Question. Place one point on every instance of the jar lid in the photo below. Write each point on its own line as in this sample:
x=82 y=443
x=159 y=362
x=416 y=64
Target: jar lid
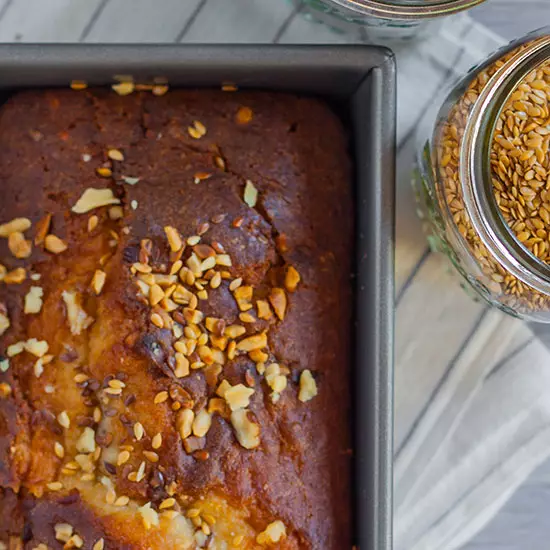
x=407 y=9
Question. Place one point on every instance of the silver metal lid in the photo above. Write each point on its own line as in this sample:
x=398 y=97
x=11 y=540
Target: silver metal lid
x=407 y=9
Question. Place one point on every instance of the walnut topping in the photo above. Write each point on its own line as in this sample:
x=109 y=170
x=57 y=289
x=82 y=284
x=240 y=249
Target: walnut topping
x=4 y=365
x=77 y=317
x=54 y=244
x=237 y=397
x=275 y=380
x=149 y=516
x=94 y=198
x=16 y=225
x=277 y=298
x=198 y=130
x=264 y=311
x=98 y=281
x=292 y=278
x=174 y=238
x=123 y=88
x=38 y=348
x=86 y=441
x=15 y=277
x=201 y=423
x=79 y=85
x=182 y=365
x=42 y=229
x=244 y=115
x=4 y=320
x=5 y=390
x=308 y=386
x=63 y=531
x=19 y=246
x=258 y=341
x=250 y=194
x=247 y=432
x=274 y=532
x=33 y=300
x=184 y=422
x=99 y=545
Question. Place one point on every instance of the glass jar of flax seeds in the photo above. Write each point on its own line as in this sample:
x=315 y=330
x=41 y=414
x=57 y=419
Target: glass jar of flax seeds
x=385 y=20
x=483 y=178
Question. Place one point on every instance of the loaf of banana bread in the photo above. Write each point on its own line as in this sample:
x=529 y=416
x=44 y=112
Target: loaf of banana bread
x=175 y=320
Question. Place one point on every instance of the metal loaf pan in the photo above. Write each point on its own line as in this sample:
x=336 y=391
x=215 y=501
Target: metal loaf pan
x=359 y=82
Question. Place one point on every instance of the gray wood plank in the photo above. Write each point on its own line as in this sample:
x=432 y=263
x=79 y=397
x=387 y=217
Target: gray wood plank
x=513 y=18
x=142 y=20
x=238 y=21
x=46 y=21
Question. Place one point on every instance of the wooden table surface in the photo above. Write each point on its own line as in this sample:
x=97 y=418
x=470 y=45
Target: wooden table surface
x=524 y=522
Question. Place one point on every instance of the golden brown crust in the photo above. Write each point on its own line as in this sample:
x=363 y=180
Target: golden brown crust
x=111 y=366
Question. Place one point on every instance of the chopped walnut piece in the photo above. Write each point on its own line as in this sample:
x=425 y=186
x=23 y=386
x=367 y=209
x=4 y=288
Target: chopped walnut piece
x=94 y=198
x=292 y=278
x=250 y=194
x=149 y=516
x=16 y=225
x=258 y=341
x=182 y=365
x=99 y=545
x=264 y=311
x=33 y=300
x=247 y=432
x=15 y=277
x=274 y=532
x=184 y=422
x=198 y=130
x=5 y=390
x=238 y=397
x=38 y=348
x=77 y=317
x=201 y=423
x=4 y=365
x=86 y=441
x=54 y=244
x=63 y=531
x=4 y=320
x=42 y=229
x=19 y=246
x=79 y=84
x=174 y=238
x=234 y=331
x=277 y=299
x=123 y=88
x=275 y=380
x=244 y=115
x=308 y=386
x=98 y=281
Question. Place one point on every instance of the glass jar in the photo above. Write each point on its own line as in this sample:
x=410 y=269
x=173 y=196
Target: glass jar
x=483 y=178
x=385 y=19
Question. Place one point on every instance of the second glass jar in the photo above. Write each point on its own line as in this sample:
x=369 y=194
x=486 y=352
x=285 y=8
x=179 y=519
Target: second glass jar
x=484 y=178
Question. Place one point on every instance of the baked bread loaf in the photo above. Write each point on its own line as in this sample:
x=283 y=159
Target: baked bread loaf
x=175 y=321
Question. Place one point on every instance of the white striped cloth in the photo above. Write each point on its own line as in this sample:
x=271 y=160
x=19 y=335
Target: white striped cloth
x=471 y=393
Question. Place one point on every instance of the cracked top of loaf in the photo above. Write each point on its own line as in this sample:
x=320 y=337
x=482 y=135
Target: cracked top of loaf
x=175 y=321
